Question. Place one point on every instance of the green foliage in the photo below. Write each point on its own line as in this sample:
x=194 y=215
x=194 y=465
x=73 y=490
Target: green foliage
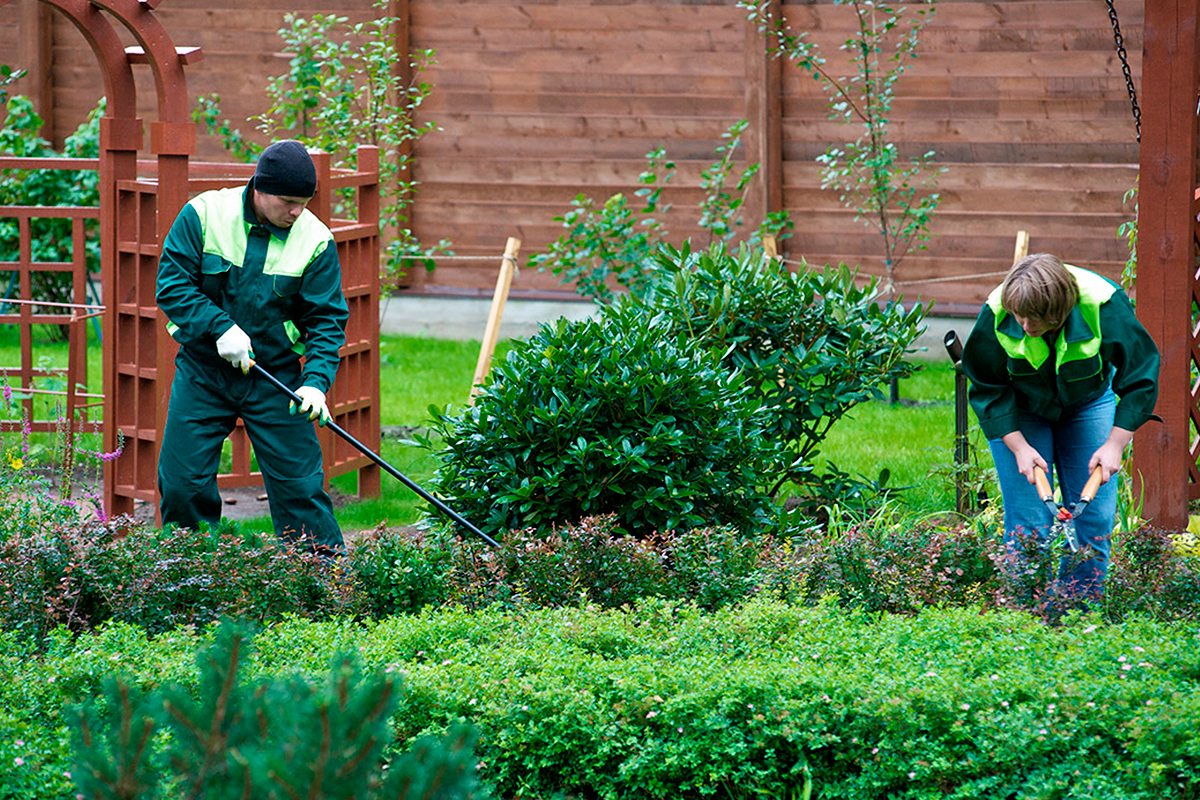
x=604 y=416
x=614 y=244
x=588 y=562
x=1150 y=575
x=9 y=76
x=341 y=91
x=712 y=567
x=282 y=737
x=810 y=344
x=83 y=575
x=1129 y=232
x=51 y=238
x=399 y=572
x=888 y=562
x=594 y=563
x=869 y=175
x=663 y=700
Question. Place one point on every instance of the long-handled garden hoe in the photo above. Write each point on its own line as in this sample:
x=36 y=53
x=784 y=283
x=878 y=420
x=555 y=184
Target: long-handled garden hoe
x=378 y=459
x=1064 y=518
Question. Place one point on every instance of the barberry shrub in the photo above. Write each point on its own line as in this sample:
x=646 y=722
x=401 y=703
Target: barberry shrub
x=398 y=571
x=810 y=344
x=615 y=415
x=83 y=575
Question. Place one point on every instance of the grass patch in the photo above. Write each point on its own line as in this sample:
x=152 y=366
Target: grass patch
x=913 y=440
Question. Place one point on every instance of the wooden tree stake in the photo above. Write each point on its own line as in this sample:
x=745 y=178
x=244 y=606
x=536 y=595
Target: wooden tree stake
x=508 y=263
x=1022 y=248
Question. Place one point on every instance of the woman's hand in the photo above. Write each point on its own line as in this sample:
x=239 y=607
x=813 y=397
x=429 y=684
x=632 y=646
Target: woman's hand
x=1108 y=457
x=1027 y=457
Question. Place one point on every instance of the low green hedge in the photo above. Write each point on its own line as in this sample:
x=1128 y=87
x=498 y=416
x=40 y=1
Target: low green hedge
x=764 y=699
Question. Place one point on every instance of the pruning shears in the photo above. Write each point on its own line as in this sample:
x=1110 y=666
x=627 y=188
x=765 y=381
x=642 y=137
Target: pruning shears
x=1064 y=518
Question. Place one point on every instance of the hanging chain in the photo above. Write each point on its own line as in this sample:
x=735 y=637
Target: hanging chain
x=1119 y=41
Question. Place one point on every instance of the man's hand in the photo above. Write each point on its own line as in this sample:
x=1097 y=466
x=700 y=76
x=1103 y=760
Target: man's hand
x=312 y=403
x=234 y=347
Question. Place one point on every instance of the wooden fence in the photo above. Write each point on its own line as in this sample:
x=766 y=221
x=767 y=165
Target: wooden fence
x=538 y=101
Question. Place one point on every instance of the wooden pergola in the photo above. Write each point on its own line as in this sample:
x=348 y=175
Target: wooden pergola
x=1168 y=287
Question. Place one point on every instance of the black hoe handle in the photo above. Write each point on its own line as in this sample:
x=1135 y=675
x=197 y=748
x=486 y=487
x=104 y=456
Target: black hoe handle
x=378 y=459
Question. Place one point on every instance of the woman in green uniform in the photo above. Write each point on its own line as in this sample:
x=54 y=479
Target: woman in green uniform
x=1062 y=374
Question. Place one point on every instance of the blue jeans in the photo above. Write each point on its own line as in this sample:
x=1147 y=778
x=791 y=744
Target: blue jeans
x=1066 y=444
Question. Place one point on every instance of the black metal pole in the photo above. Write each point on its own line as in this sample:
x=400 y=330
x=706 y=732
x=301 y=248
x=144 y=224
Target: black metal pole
x=378 y=459
x=961 y=444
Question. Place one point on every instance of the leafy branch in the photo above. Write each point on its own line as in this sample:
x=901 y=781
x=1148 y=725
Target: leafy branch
x=894 y=198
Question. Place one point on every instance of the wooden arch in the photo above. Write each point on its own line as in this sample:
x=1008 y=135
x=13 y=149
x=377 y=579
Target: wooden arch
x=136 y=351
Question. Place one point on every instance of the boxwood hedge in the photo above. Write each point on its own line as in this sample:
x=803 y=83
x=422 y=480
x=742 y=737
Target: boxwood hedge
x=761 y=700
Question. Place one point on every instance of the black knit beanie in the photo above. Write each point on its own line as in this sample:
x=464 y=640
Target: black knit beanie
x=286 y=168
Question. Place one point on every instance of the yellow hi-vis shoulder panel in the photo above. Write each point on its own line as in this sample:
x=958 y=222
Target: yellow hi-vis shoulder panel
x=225 y=232
x=1074 y=342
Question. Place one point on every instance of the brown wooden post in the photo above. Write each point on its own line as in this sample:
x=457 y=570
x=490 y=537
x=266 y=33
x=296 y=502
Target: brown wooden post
x=1164 y=466
x=322 y=201
x=764 y=111
x=369 y=474
x=37 y=57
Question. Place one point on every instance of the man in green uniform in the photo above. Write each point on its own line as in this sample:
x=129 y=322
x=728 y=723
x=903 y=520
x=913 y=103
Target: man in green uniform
x=249 y=274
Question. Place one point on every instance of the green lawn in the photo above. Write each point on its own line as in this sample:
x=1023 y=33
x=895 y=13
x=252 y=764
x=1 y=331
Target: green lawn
x=914 y=439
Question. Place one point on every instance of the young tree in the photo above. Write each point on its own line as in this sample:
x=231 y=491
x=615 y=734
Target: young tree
x=341 y=91
x=892 y=195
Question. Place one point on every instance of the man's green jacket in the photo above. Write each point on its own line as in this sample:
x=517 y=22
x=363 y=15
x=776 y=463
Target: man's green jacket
x=220 y=266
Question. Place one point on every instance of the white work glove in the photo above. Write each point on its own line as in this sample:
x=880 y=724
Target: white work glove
x=234 y=346
x=313 y=404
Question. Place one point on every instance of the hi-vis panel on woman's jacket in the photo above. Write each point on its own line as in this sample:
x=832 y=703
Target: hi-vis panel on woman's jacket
x=1076 y=343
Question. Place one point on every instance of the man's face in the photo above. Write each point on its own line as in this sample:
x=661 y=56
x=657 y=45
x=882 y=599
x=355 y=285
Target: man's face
x=279 y=210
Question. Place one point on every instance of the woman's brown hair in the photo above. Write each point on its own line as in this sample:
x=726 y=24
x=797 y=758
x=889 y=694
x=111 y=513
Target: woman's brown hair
x=1040 y=288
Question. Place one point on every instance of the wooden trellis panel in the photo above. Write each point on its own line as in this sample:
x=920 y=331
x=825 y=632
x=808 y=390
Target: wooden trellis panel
x=18 y=307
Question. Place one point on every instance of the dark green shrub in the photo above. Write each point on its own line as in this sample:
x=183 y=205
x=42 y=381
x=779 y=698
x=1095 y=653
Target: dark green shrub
x=810 y=344
x=611 y=416
x=283 y=737
x=399 y=571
